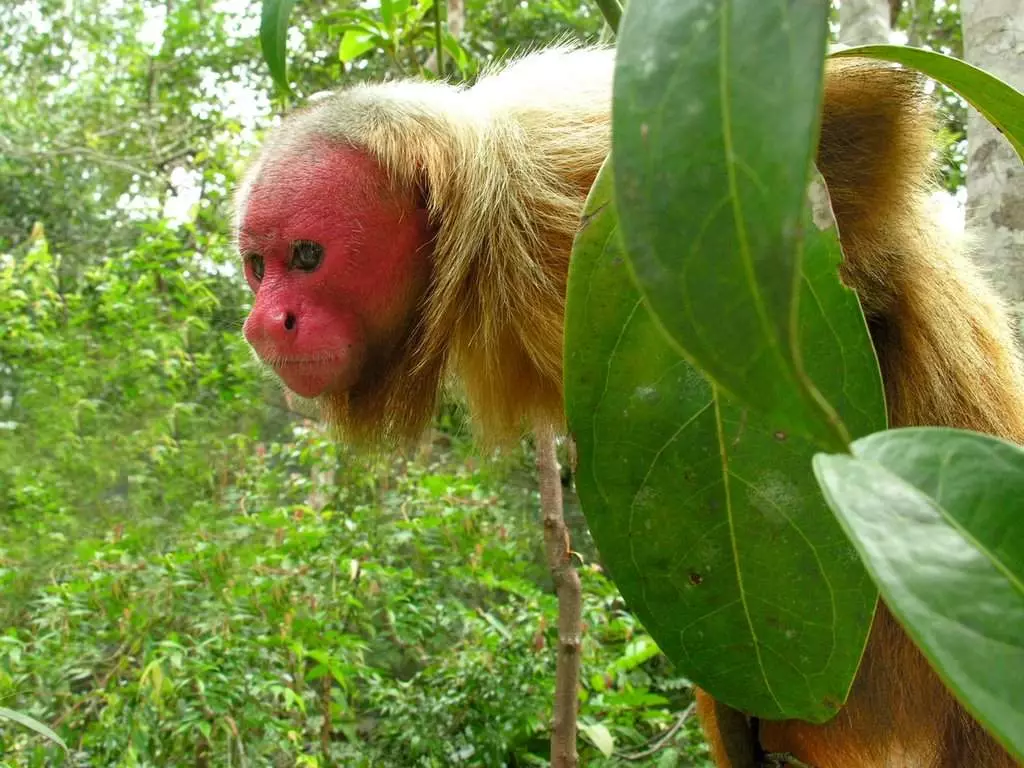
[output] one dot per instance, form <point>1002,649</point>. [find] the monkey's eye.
<point>255,262</point>
<point>306,255</point>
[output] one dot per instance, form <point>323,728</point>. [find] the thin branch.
<point>570,604</point>
<point>663,740</point>
<point>783,760</point>
<point>612,12</point>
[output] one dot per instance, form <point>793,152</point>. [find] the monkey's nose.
<point>271,331</point>
<point>282,326</point>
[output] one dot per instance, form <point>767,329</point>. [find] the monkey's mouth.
<point>311,376</point>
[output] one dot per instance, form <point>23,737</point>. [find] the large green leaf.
<point>999,102</point>
<point>715,120</point>
<point>938,517</point>
<point>705,512</point>
<point>274,38</point>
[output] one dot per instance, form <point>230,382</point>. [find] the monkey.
<point>403,235</point>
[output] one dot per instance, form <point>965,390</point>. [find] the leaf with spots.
<point>716,112</point>
<point>706,513</point>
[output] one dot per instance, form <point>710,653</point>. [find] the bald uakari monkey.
<point>397,233</point>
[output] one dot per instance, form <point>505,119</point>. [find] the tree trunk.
<point>456,18</point>
<point>864,21</point>
<point>994,41</point>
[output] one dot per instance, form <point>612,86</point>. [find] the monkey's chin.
<point>311,379</point>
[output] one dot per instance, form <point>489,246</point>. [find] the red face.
<point>337,261</point>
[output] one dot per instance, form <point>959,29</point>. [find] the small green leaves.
<point>716,111</point>
<point>706,513</point>
<point>938,517</point>
<point>999,102</point>
<point>274,38</point>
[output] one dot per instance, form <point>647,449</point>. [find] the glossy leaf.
<point>938,517</point>
<point>274,39</point>
<point>716,112</point>
<point>998,101</point>
<point>706,512</point>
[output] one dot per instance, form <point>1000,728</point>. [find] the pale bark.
<point>570,604</point>
<point>994,41</point>
<point>864,21</point>
<point>456,17</point>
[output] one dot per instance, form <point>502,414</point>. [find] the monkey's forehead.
<point>415,129</point>
<point>325,177</point>
<point>383,121</point>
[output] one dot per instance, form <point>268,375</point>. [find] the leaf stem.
<point>438,44</point>
<point>612,12</point>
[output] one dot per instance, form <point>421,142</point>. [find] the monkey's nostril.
<point>289,322</point>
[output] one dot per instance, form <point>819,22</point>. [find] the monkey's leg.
<point>728,732</point>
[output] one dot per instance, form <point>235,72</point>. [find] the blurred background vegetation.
<point>191,572</point>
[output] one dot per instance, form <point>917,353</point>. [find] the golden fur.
<point>506,165</point>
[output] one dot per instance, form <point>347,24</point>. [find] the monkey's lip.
<point>310,376</point>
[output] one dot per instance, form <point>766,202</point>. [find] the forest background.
<point>191,571</point>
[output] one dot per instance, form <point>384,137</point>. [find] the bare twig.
<point>666,738</point>
<point>783,760</point>
<point>570,607</point>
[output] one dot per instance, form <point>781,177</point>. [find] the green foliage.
<point>31,724</point>
<point>389,613</point>
<point>171,595</point>
<point>400,29</point>
<point>714,492</point>
<point>103,118</point>
<point>936,516</point>
<point>124,390</point>
<point>498,28</point>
